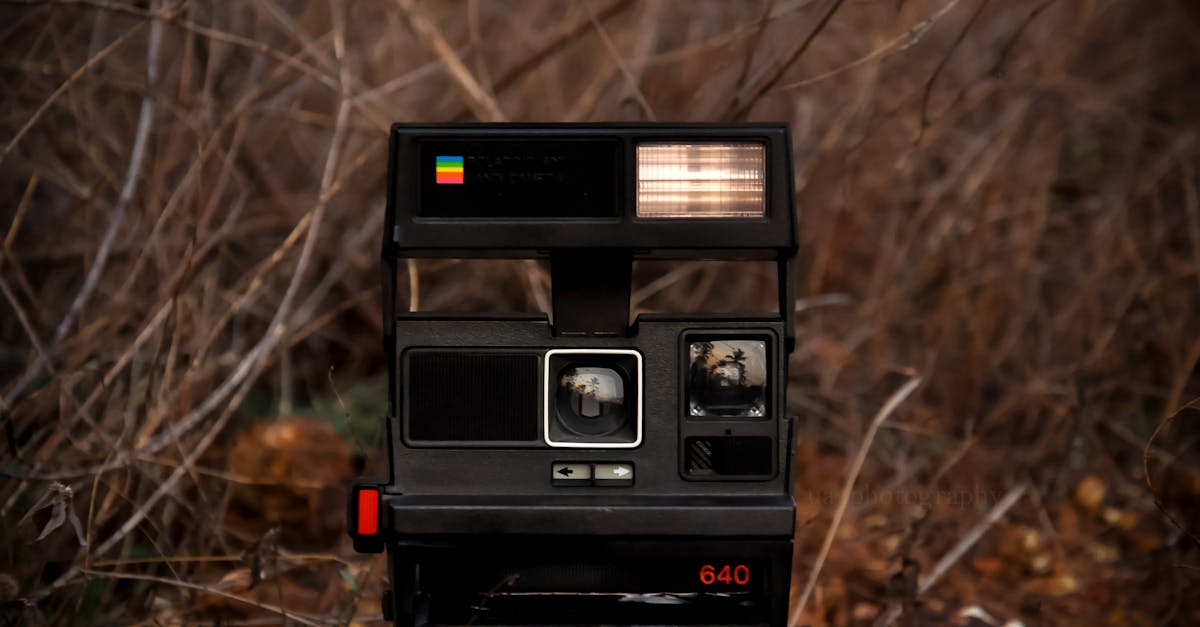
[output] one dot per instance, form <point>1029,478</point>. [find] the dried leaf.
<point>863,611</point>
<point>1126,520</point>
<point>988,565</point>
<point>61,500</point>
<point>261,556</point>
<point>9,588</point>
<point>57,518</point>
<point>45,501</point>
<point>76,524</point>
<point>1089,493</point>
<point>293,473</point>
<point>1055,586</point>
<point>1103,553</point>
<point>978,614</point>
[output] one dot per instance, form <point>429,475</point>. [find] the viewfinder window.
<point>727,379</point>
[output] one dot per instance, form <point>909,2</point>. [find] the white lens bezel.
<point>547,406</point>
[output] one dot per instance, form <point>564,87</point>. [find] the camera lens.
<point>727,379</point>
<point>591,400</point>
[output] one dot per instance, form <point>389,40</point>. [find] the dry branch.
<point>960,549</point>
<point>864,447</point>
<point>138,152</point>
<point>481,102</point>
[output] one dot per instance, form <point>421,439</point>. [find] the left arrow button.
<point>571,474</point>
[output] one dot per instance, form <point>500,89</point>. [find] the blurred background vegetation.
<point>999,196</point>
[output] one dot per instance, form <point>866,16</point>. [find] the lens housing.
<point>593,398</point>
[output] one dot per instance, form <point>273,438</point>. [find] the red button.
<point>368,512</point>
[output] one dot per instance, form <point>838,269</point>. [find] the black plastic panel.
<point>450,224</point>
<point>521,178</point>
<point>729,456</point>
<point>583,580</point>
<point>605,514</point>
<point>468,469</point>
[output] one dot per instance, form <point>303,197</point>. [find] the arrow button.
<point>568,474</point>
<point>613,474</point>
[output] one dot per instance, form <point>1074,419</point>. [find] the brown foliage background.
<point>999,196</point>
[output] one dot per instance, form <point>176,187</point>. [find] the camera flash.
<point>701,180</point>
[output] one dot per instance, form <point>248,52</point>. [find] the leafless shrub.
<point>1001,196</point>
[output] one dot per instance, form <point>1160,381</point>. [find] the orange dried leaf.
<point>988,565</point>
<point>1089,492</point>
<point>1055,586</point>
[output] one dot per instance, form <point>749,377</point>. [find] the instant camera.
<point>576,467</point>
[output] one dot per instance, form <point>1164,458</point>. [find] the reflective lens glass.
<point>591,400</point>
<point>728,379</point>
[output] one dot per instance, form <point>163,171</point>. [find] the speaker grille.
<point>464,396</point>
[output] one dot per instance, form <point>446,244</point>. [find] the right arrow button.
<point>613,474</point>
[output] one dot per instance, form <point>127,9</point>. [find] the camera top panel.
<point>656,190</point>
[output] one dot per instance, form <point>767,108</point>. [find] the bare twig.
<point>676,274</point>
<point>836,299</point>
<point>937,71</point>
<point>170,15</point>
<point>742,31</point>
<point>739,107</point>
<point>960,549</point>
<point>1002,58</point>
<point>630,79</point>
<point>16,221</point>
<point>972,537</point>
<point>1162,424</point>
<point>479,99</point>
<point>1191,203</point>
<point>75,76</point>
<point>251,364</point>
<point>475,30</point>
<point>141,137</point>
<point>290,614</point>
<point>898,44</point>
<point>755,43</point>
<point>165,488</point>
<point>561,40</point>
<point>23,318</point>
<point>414,288</point>
<point>346,80</point>
<point>890,406</point>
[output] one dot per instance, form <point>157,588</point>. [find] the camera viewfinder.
<point>727,378</point>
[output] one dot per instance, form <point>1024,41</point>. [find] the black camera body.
<point>584,469</point>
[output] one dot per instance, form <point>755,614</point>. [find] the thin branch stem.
<point>890,406</point>
<point>141,138</point>
<point>964,544</point>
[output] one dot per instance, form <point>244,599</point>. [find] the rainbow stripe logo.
<point>449,170</point>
